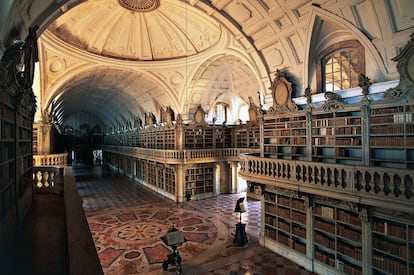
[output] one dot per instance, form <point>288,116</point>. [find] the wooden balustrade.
<point>48,179</point>
<point>179,156</point>
<point>386,187</point>
<point>50,160</point>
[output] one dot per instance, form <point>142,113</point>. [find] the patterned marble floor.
<point>127,222</point>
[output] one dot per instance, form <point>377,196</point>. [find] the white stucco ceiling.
<point>117,64</point>
<point>107,28</point>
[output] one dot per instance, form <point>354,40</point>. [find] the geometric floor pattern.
<point>128,221</point>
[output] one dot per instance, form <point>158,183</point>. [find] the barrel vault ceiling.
<point>113,61</point>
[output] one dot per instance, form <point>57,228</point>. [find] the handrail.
<point>180,156</point>
<point>50,160</point>
<point>392,188</point>
<point>82,255</point>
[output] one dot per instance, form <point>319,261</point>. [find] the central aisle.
<point>128,220</point>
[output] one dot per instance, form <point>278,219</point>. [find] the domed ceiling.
<point>137,29</point>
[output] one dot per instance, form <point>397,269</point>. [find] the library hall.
<point>206,137</point>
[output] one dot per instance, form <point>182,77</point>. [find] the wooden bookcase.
<point>169,178</point>
<point>34,139</point>
<point>169,141</point>
<point>337,137</point>
<point>285,219</point>
<point>246,136</point>
<point>7,140</point>
<point>194,137</point>
<point>151,173</point>
<point>392,245</point>
<point>24,154</point>
<point>199,180</point>
<point>222,137</point>
<point>285,136</point>
<point>392,136</point>
<point>337,238</point>
<point>207,136</point>
<point>386,138</point>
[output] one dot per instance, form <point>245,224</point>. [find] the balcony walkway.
<point>40,247</point>
<point>127,222</point>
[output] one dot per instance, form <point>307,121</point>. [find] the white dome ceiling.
<point>137,29</point>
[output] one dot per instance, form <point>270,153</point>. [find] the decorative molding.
<point>364,82</point>
<point>199,116</point>
<point>333,102</point>
<point>140,5</point>
<point>405,67</point>
<point>282,95</point>
<point>254,111</point>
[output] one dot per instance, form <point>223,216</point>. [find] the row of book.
<point>348,217</point>
<point>298,204</point>
<point>387,110</point>
<point>325,226</point>
<point>397,249</point>
<point>351,269</point>
<point>271,197</point>
<point>349,234</point>
<point>350,251</point>
<point>392,141</point>
<point>299,231</point>
<point>388,265</point>
<point>283,201</point>
<point>324,240</point>
<point>270,208</point>
<point>299,217</point>
<point>389,228</point>
<point>325,211</point>
<point>324,257</point>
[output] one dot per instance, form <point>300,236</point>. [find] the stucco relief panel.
<point>401,13</point>
<point>274,56</point>
<point>367,19</point>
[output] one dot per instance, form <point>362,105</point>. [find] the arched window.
<point>340,66</point>
<point>221,112</point>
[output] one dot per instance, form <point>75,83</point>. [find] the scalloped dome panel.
<point>140,5</point>
<point>106,28</point>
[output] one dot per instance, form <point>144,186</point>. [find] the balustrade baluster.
<point>397,185</point>
<point>367,180</point>
<point>386,184</point>
<point>267,168</point>
<point>304,173</point>
<point>408,187</point>
<point>310,174</point>
<point>324,178</point>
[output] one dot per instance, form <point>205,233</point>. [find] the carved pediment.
<point>253,111</point>
<point>199,116</point>
<point>282,95</point>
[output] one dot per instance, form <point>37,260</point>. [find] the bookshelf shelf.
<point>392,246</point>
<point>337,137</point>
<point>338,232</point>
<point>391,136</point>
<point>285,220</point>
<point>7,140</point>
<point>285,136</point>
<point>199,180</point>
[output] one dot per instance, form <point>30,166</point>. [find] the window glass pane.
<point>220,113</point>
<point>341,70</point>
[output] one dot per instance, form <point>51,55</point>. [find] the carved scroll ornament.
<point>405,67</point>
